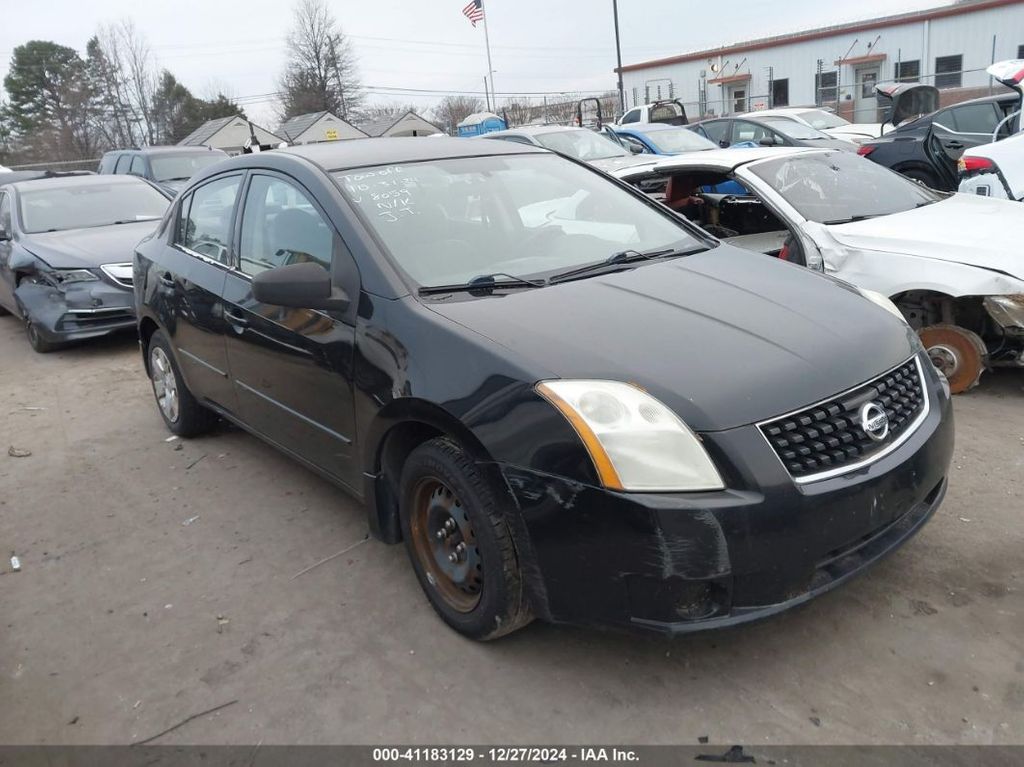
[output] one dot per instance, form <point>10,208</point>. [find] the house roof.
<point>294,127</point>
<point>206,131</point>
<point>380,127</point>
<point>956,9</point>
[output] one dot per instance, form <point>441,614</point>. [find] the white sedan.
<point>828,122</point>
<point>951,263</point>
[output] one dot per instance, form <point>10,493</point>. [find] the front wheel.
<point>36,340</point>
<point>458,540</point>
<point>179,408</point>
<point>958,353</point>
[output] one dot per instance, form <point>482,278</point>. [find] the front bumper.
<point>78,311</point>
<point>682,562</point>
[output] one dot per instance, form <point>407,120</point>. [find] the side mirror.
<point>767,141</point>
<point>300,286</point>
<point>635,149</point>
<point>724,144</point>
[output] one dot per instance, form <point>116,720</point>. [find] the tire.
<point>481,595</point>
<point>957,353</point>
<point>925,177</point>
<point>36,341</point>
<point>179,408</point>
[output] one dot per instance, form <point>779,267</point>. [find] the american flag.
<point>474,11</point>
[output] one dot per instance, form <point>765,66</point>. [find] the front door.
<point>292,368</point>
<point>737,98</point>
<point>6,276</point>
<point>865,99</point>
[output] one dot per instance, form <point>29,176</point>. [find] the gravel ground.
<point>157,582</point>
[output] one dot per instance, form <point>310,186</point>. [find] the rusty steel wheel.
<point>958,353</point>
<point>445,544</point>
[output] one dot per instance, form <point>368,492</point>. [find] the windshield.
<point>676,140</point>
<point>836,187</point>
<point>81,206</point>
<point>447,221</point>
<point>175,167</point>
<point>793,129</point>
<point>820,119</point>
<point>582,144</point>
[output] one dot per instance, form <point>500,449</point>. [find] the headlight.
<point>67,276</point>
<point>877,298</point>
<point>636,442</point>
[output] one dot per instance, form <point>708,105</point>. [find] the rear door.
<point>292,368</point>
<point>959,128</point>
<point>191,276</point>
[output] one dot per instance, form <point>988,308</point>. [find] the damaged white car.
<point>950,263</point>
<point>997,169</point>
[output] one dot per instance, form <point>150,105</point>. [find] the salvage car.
<point>828,122</point>
<point>66,246</point>
<point>836,212</point>
<point>767,131</point>
<point>569,402</point>
<point>659,138</point>
<point>926,148</point>
<point>169,167</point>
<point>590,146</point>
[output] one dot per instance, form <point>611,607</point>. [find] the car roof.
<point>165,150</point>
<point>63,182</point>
<point>534,130</point>
<point>647,127</point>
<point>365,152</point>
<point>728,159</point>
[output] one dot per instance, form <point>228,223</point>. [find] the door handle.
<point>166,279</point>
<point>954,145</point>
<point>236,319</point>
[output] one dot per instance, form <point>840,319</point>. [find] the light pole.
<point>618,56</point>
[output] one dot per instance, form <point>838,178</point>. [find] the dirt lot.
<point>132,547</point>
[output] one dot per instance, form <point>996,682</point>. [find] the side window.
<point>280,226</point>
<point>138,166</point>
<point>975,118</point>
<point>632,116</point>
<point>205,223</point>
<point>122,163</point>
<point>634,145</point>
<point>716,130</point>
<point>744,131</point>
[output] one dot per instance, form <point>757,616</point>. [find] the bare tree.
<point>123,78</point>
<point>454,109</point>
<point>375,112</point>
<point>562,109</point>
<point>517,112</point>
<point>321,72</point>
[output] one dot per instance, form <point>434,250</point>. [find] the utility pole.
<point>618,56</point>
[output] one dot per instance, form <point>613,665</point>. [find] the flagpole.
<point>490,67</point>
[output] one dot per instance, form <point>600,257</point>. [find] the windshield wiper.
<point>851,219</point>
<point>618,260</point>
<point>484,283</point>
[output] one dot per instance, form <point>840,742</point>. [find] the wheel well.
<point>923,308</point>
<point>146,330</point>
<point>396,446</point>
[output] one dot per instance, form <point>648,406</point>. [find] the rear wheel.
<point>925,177</point>
<point>958,353</point>
<point>459,542</point>
<point>178,407</point>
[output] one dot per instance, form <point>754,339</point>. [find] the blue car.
<point>658,138</point>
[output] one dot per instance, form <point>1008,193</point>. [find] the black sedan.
<point>567,400</point>
<point>928,147</point>
<point>66,245</point>
<point>767,131</point>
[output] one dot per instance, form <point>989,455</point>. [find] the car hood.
<point>88,248</point>
<point>173,186</point>
<point>844,144</point>
<point>964,229</point>
<point>615,163</point>
<point>725,338</point>
<point>856,131</point>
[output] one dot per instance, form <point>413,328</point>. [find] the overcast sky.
<point>537,45</point>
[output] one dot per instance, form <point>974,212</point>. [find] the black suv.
<point>169,167</point>
<point>927,149</point>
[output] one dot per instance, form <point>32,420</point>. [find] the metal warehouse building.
<point>948,47</point>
